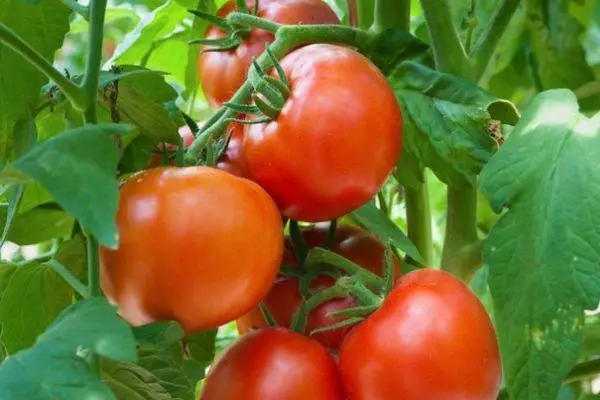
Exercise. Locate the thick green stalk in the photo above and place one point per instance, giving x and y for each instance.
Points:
(487, 42)
(391, 14)
(448, 51)
(418, 215)
(75, 95)
(94, 58)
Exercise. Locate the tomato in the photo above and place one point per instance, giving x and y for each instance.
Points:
(232, 160)
(336, 140)
(197, 245)
(430, 339)
(157, 158)
(284, 298)
(223, 72)
(273, 364)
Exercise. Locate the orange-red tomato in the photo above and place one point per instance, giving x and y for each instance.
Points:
(196, 245)
(273, 364)
(336, 140)
(285, 297)
(222, 73)
(430, 339)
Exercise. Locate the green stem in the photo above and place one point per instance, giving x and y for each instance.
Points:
(94, 58)
(287, 38)
(319, 255)
(75, 95)
(391, 14)
(352, 7)
(461, 231)
(78, 8)
(488, 40)
(93, 267)
(363, 296)
(254, 21)
(418, 215)
(448, 51)
(71, 279)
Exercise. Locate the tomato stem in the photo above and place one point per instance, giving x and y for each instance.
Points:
(78, 8)
(391, 13)
(94, 58)
(76, 95)
(71, 279)
(362, 294)
(319, 255)
(300, 317)
(253, 21)
(418, 215)
(300, 249)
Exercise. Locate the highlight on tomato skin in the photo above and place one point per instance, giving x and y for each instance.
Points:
(320, 160)
(284, 298)
(222, 73)
(430, 339)
(273, 364)
(188, 235)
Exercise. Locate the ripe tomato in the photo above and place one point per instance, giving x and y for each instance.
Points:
(273, 364)
(336, 140)
(284, 298)
(223, 72)
(431, 339)
(197, 245)
(232, 160)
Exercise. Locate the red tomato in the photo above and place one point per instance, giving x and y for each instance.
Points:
(232, 160)
(431, 339)
(284, 298)
(223, 72)
(197, 245)
(336, 140)
(273, 364)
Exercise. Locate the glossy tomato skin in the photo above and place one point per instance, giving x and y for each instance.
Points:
(431, 339)
(187, 237)
(284, 298)
(336, 140)
(222, 73)
(273, 364)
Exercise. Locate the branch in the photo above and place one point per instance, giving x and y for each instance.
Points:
(390, 14)
(449, 53)
(488, 40)
(418, 215)
(94, 58)
(71, 91)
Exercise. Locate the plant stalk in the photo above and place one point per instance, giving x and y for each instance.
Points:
(391, 14)
(71, 279)
(418, 215)
(94, 58)
(77, 8)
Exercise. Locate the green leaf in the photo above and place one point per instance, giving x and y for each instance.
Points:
(544, 252)
(141, 102)
(376, 222)
(53, 369)
(77, 167)
(451, 117)
(30, 298)
(561, 61)
(200, 352)
(39, 225)
(132, 382)
(43, 26)
(191, 67)
(394, 46)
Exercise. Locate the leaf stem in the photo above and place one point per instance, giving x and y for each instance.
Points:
(390, 14)
(486, 44)
(77, 8)
(448, 51)
(71, 91)
(71, 279)
(93, 267)
(418, 214)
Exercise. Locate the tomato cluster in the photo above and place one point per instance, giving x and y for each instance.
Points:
(205, 246)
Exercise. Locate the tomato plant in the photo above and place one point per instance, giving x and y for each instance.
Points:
(159, 219)
(285, 297)
(274, 364)
(426, 340)
(223, 72)
(339, 140)
(317, 171)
